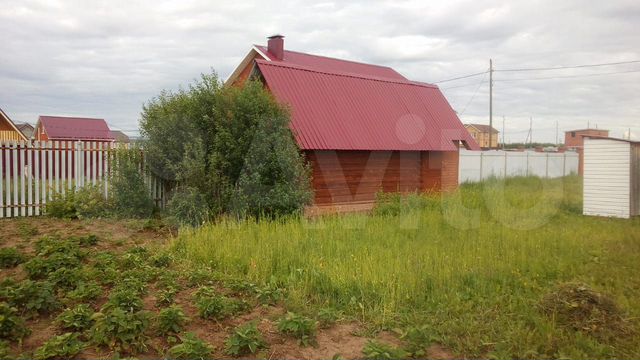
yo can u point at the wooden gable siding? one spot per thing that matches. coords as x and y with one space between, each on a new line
342 177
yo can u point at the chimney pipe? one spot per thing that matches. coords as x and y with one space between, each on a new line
275 46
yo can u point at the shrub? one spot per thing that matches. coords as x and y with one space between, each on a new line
275 179
34 297
300 327
61 206
89 202
246 339
10 257
11 324
191 348
188 207
120 330
60 347
374 350
128 190
78 318
171 320
4 351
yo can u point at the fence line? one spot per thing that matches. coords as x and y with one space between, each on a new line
32 172
476 166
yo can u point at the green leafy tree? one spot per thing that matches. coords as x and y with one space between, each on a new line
213 140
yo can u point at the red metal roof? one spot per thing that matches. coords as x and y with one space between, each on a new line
323 63
333 110
73 128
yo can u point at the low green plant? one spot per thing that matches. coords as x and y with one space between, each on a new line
4 351
67 278
418 338
78 318
84 291
375 350
11 257
270 294
120 330
34 297
191 348
171 320
41 266
64 346
12 326
166 296
86 240
213 306
328 316
162 260
125 299
27 230
300 327
246 339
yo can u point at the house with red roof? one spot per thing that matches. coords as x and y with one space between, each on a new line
363 128
61 128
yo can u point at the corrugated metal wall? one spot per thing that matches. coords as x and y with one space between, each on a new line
607 174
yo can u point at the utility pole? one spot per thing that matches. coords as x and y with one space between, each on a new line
556 132
490 102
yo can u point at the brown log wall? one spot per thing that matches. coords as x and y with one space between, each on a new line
341 177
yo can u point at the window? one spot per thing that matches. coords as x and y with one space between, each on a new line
573 134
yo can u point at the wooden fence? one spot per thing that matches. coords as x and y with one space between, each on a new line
32 171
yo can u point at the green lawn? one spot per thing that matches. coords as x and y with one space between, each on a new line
469 269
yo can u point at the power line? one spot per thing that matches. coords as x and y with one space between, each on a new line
571 67
461 77
474 94
569 76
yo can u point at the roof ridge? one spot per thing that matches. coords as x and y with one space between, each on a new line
71 117
333 58
347 74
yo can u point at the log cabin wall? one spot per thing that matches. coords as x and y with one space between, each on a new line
343 177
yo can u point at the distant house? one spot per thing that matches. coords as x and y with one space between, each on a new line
8 130
363 128
574 140
480 134
26 129
59 128
120 137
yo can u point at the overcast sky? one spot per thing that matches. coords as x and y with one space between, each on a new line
106 58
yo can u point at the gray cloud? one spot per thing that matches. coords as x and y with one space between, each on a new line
106 58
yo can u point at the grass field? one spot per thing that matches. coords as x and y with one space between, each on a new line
468 271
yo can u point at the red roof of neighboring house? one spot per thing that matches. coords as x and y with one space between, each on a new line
73 128
323 63
340 105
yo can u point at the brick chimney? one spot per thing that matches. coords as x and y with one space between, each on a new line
275 46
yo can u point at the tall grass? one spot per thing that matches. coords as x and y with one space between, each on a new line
472 265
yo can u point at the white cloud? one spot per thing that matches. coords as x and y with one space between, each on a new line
106 58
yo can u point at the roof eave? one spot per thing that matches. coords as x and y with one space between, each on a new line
244 63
